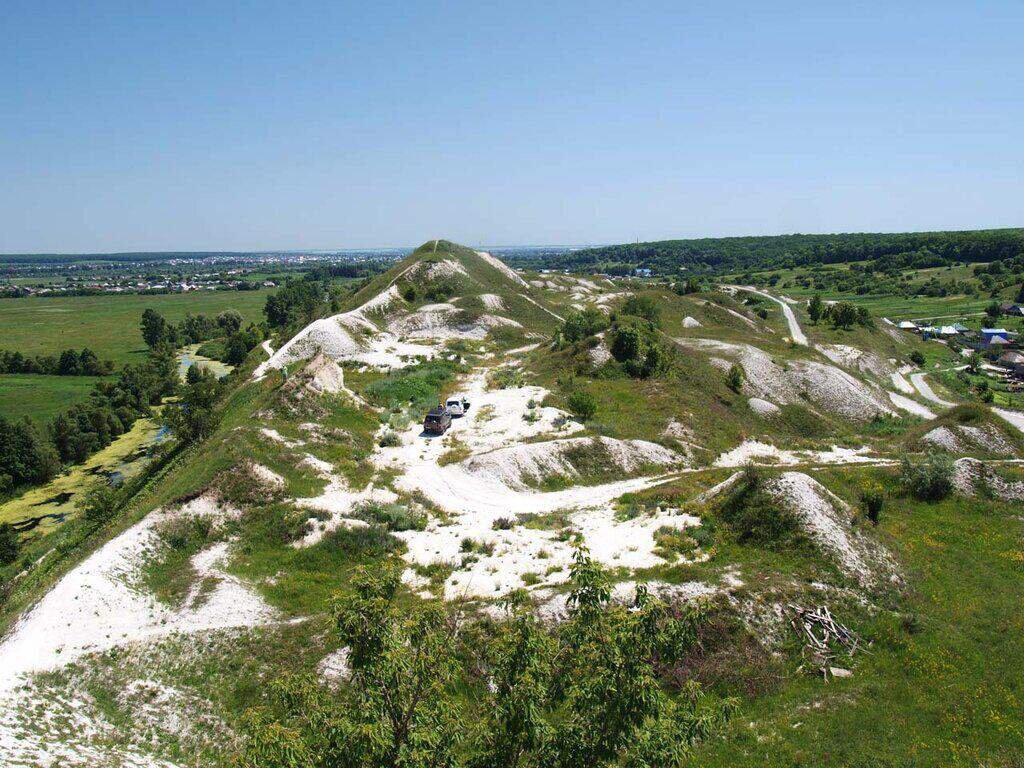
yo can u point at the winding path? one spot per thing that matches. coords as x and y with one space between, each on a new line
927 392
795 331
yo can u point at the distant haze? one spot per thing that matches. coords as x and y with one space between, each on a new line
224 127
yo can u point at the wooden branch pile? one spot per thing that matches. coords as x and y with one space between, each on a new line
825 641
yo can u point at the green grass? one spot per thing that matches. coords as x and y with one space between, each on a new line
41 397
944 683
109 325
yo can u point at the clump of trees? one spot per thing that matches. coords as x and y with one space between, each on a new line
193 329
297 301
26 455
69 363
195 417
589 692
842 314
581 324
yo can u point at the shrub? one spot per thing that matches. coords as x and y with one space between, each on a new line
503 524
583 405
390 439
100 503
394 517
930 479
917 358
735 378
754 516
642 306
8 544
872 500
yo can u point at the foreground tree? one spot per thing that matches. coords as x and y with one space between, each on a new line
581 694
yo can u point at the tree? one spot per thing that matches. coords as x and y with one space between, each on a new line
100 503
25 455
642 306
229 321
993 311
195 417
816 308
155 329
583 405
69 364
580 324
843 314
917 358
1020 294
735 378
9 544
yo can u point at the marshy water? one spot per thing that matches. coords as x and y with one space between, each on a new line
47 506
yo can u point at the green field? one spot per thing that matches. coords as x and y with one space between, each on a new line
41 397
109 325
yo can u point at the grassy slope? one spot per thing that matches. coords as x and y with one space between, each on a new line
109 325
41 397
948 693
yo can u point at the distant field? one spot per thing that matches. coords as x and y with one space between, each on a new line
41 397
109 325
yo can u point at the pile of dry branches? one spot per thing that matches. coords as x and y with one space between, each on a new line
825 640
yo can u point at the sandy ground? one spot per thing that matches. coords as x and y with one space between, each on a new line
99 604
765 453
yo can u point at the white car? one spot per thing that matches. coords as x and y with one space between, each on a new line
457 406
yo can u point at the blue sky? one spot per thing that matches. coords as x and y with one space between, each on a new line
177 126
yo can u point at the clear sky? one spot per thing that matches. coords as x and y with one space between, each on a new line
230 126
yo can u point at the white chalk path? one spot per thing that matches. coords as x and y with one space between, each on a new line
267 348
795 331
1013 418
911 406
927 392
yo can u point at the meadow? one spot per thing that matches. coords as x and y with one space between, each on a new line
109 324
41 397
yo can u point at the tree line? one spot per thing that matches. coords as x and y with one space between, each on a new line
69 363
732 254
30 455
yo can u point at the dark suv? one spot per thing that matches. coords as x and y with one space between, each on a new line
437 421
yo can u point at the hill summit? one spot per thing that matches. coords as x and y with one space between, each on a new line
442 291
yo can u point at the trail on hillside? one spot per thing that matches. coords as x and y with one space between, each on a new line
927 392
795 331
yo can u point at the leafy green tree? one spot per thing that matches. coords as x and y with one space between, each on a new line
843 314
9 545
100 503
229 321
583 405
69 364
155 329
195 416
26 456
580 324
816 308
993 311
917 358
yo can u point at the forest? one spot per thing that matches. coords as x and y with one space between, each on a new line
733 254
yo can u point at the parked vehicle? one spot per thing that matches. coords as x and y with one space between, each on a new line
457 406
437 421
